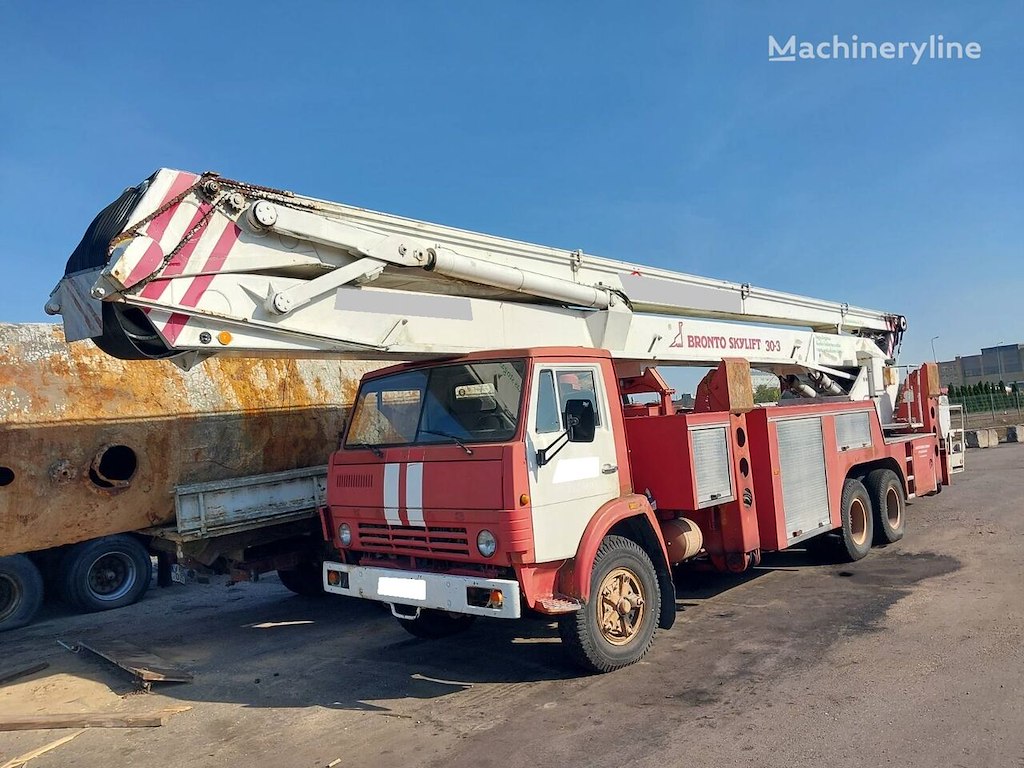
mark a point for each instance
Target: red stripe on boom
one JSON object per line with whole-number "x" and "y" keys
{"x": 174, "y": 326}
{"x": 198, "y": 287}
{"x": 153, "y": 256}
{"x": 176, "y": 266}
{"x": 157, "y": 226}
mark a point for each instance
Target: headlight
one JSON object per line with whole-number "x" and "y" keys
{"x": 486, "y": 543}
{"x": 345, "y": 534}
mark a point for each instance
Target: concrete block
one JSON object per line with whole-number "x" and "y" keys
{"x": 982, "y": 438}
{"x": 1015, "y": 433}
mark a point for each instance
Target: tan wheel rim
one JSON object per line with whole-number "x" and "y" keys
{"x": 892, "y": 508}
{"x": 620, "y": 611}
{"x": 858, "y": 522}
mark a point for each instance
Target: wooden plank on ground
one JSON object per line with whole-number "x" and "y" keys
{"x": 90, "y": 720}
{"x": 20, "y": 761}
{"x": 146, "y": 666}
{"x": 6, "y": 677}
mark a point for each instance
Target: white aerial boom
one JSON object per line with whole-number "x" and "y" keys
{"x": 188, "y": 266}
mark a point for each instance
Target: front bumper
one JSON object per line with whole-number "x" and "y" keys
{"x": 423, "y": 590}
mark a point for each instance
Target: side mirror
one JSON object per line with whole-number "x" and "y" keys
{"x": 580, "y": 421}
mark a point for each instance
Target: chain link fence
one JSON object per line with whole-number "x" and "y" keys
{"x": 991, "y": 405}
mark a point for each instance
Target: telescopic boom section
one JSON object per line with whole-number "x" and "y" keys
{"x": 187, "y": 265}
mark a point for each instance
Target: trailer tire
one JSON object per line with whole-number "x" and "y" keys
{"x": 434, "y": 625}
{"x": 21, "y": 591}
{"x": 857, "y": 531}
{"x": 888, "y": 504}
{"x": 306, "y": 580}
{"x": 106, "y": 573}
{"x": 622, "y": 573}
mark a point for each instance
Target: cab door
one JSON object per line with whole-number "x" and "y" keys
{"x": 579, "y": 477}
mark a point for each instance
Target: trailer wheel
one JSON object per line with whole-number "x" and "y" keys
{"x": 21, "y": 591}
{"x": 855, "y": 536}
{"x": 106, "y": 573}
{"x": 434, "y": 625}
{"x": 306, "y": 580}
{"x": 616, "y": 627}
{"x": 889, "y": 505}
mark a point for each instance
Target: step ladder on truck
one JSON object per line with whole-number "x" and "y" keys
{"x": 514, "y": 459}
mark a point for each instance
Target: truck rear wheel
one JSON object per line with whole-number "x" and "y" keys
{"x": 857, "y": 531}
{"x": 106, "y": 573}
{"x": 21, "y": 591}
{"x": 888, "y": 503}
{"x": 307, "y": 579}
{"x": 616, "y": 627}
{"x": 433, "y": 625}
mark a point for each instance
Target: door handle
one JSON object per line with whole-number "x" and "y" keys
{"x": 609, "y": 469}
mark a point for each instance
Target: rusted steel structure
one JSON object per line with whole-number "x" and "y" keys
{"x": 92, "y": 446}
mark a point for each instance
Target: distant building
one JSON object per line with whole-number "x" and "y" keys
{"x": 1003, "y": 363}
{"x": 684, "y": 401}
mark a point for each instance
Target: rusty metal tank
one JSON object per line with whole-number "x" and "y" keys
{"x": 91, "y": 445}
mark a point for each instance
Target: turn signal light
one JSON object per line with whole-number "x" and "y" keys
{"x": 334, "y": 578}
{"x": 524, "y": 499}
{"x": 496, "y": 599}
{"x": 224, "y": 337}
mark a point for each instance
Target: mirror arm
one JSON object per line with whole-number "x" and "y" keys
{"x": 543, "y": 457}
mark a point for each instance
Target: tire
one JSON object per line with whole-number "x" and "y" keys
{"x": 888, "y": 504}
{"x": 21, "y": 591}
{"x": 306, "y": 580}
{"x": 591, "y": 636}
{"x": 857, "y": 531}
{"x": 106, "y": 573}
{"x": 434, "y": 625}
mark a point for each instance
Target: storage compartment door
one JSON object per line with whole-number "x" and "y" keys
{"x": 804, "y": 486}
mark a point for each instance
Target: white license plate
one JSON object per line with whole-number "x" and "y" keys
{"x": 410, "y": 589}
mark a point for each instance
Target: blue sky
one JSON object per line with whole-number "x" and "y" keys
{"x": 657, "y": 133}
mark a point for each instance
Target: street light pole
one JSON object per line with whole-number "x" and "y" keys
{"x": 934, "y": 356}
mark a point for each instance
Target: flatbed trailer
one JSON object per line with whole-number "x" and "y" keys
{"x": 92, "y": 450}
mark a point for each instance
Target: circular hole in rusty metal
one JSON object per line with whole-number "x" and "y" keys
{"x": 113, "y": 467}
{"x": 6, "y": 476}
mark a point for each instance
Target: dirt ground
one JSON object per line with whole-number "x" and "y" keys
{"x": 911, "y": 657}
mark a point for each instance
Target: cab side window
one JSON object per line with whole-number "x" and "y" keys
{"x": 578, "y": 385}
{"x": 548, "y": 419}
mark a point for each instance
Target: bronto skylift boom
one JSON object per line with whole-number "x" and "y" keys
{"x": 186, "y": 266}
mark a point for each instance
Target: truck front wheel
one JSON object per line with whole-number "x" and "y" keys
{"x": 307, "y": 579}
{"x": 21, "y": 591}
{"x": 434, "y": 625}
{"x": 616, "y": 627}
{"x": 105, "y": 573}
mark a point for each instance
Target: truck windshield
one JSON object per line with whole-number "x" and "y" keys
{"x": 463, "y": 403}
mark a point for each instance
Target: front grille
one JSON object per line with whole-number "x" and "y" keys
{"x": 412, "y": 540}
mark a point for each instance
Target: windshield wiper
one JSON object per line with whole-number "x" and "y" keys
{"x": 458, "y": 442}
{"x": 376, "y": 451}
